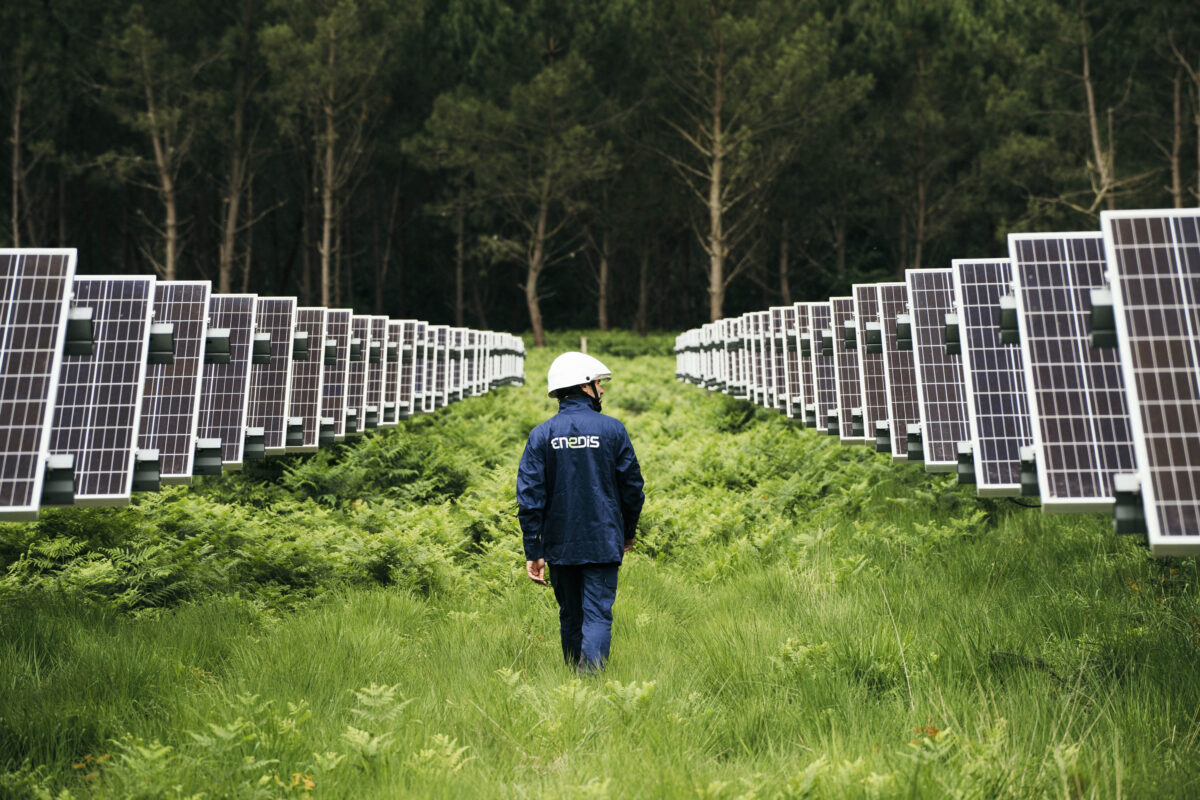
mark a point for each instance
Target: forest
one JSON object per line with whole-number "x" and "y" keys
{"x": 593, "y": 163}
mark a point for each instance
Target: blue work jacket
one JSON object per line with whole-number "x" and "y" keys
{"x": 579, "y": 487}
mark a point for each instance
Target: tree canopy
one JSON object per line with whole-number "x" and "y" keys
{"x": 541, "y": 163}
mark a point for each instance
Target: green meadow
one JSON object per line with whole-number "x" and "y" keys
{"x": 798, "y": 619}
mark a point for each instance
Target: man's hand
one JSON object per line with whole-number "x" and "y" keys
{"x": 629, "y": 544}
{"x": 536, "y": 570}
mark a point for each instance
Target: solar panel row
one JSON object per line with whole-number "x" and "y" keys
{"x": 1069, "y": 369}
{"x": 114, "y": 384}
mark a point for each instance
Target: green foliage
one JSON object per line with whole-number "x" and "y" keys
{"x": 800, "y": 618}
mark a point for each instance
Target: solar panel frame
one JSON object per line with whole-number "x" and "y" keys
{"x": 845, "y": 363}
{"x": 940, "y": 387}
{"x": 803, "y": 333}
{"x": 270, "y": 383}
{"x": 409, "y": 398}
{"x": 825, "y": 389}
{"x": 375, "y": 371}
{"x": 1154, "y": 269}
{"x": 1079, "y": 419}
{"x": 225, "y": 388}
{"x": 441, "y": 383}
{"x": 392, "y": 373}
{"x": 97, "y": 414}
{"x": 334, "y": 376}
{"x": 425, "y": 367}
{"x": 780, "y": 390}
{"x": 900, "y": 372}
{"x": 791, "y": 345}
{"x": 307, "y": 378}
{"x": 35, "y": 294}
{"x": 874, "y": 381}
{"x": 993, "y": 376}
{"x": 171, "y": 395}
{"x": 356, "y": 373}
{"x": 762, "y": 362}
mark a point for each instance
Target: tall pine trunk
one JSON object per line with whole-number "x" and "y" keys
{"x": 602, "y": 294}
{"x": 536, "y": 262}
{"x": 716, "y": 232}
{"x": 16, "y": 157}
{"x": 327, "y": 178}
{"x": 460, "y": 257}
{"x": 785, "y": 290}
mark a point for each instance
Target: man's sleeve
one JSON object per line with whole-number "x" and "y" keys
{"x": 531, "y": 497}
{"x": 629, "y": 485}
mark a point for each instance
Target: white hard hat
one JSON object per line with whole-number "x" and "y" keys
{"x": 575, "y": 369}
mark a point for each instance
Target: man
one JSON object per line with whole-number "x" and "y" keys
{"x": 579, "y": 492}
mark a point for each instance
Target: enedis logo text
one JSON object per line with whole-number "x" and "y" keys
{"x": 575, "y": 442}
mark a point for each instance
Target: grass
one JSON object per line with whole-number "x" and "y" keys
{"x": 801, "y": 619}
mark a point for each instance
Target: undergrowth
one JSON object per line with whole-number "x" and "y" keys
{"x": 800, "y": 618}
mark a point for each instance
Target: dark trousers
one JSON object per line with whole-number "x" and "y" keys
{"x": 585, "y": 595}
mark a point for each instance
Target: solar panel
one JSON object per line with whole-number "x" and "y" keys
{"x": 778, "y": 343}
{"x": 441, "y": 346}
{"x": 993, "y": 376}
{"x": 762, "y": 359}
{"x": 391, "y": 378}
{"x": 900, "y": 373}
{"x": 225, "y": 388}
{"x": 825, "y": 389}
{"x": 171, "y": 396}
{"x": 454, "y": 376}
{"x": 98, "y": 408}
{"x": 376, "y": 357}
{"x": 333, "y": 390}
{"x": 1076, "y": 393}
{"x": 305, "y": 395}
{"x": 849, "y": 381}
{"x": 804, "y": 337}
{"x": 729, "y": 356}
{"x": 874, "y": 383}
{"x": 356, "y": 375}
{"x": 35, "y": 291}
{"x": 271, "y": 382}
{"x": 406, "y": 397}
{"x": 424, "y": 367}
{"x": 795, "y": 402}
{"x": 940, "y": 387}
{"x": 1154, "y": 263}
{"x": 737, "y": 357}
{"x": 470, "y": 360}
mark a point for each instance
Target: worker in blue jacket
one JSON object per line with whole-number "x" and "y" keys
{"x": 579, "y": 492}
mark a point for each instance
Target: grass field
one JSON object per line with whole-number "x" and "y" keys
{"x": 799, "y": 619}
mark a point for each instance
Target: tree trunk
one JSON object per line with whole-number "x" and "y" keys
{"x": 639, "y": 321}
{"x": 537, "y": 260}
{"x": 247, "y": 256}
{"x": 716, "y": 233}
{"x": 306, "y": 277}
{"x": 460, "y": 257}
{"x": 16, "y": 157}
{"x": 602, "y": 295}
{"x": 337, "y": 264}
{"x": 164, "y": 161}
{"x": 327, "y": 172}
{"x": 1177, "y": 141}
{"x": 381, "y": 272}
{"x": 1103, "y": 159}
{"x": 785, "y": 290}
{"x": 919, "y": 243}
{"x": 477, "y": 302}
{"x": 839, "y": 247}
{"x": 235, "y": 183}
